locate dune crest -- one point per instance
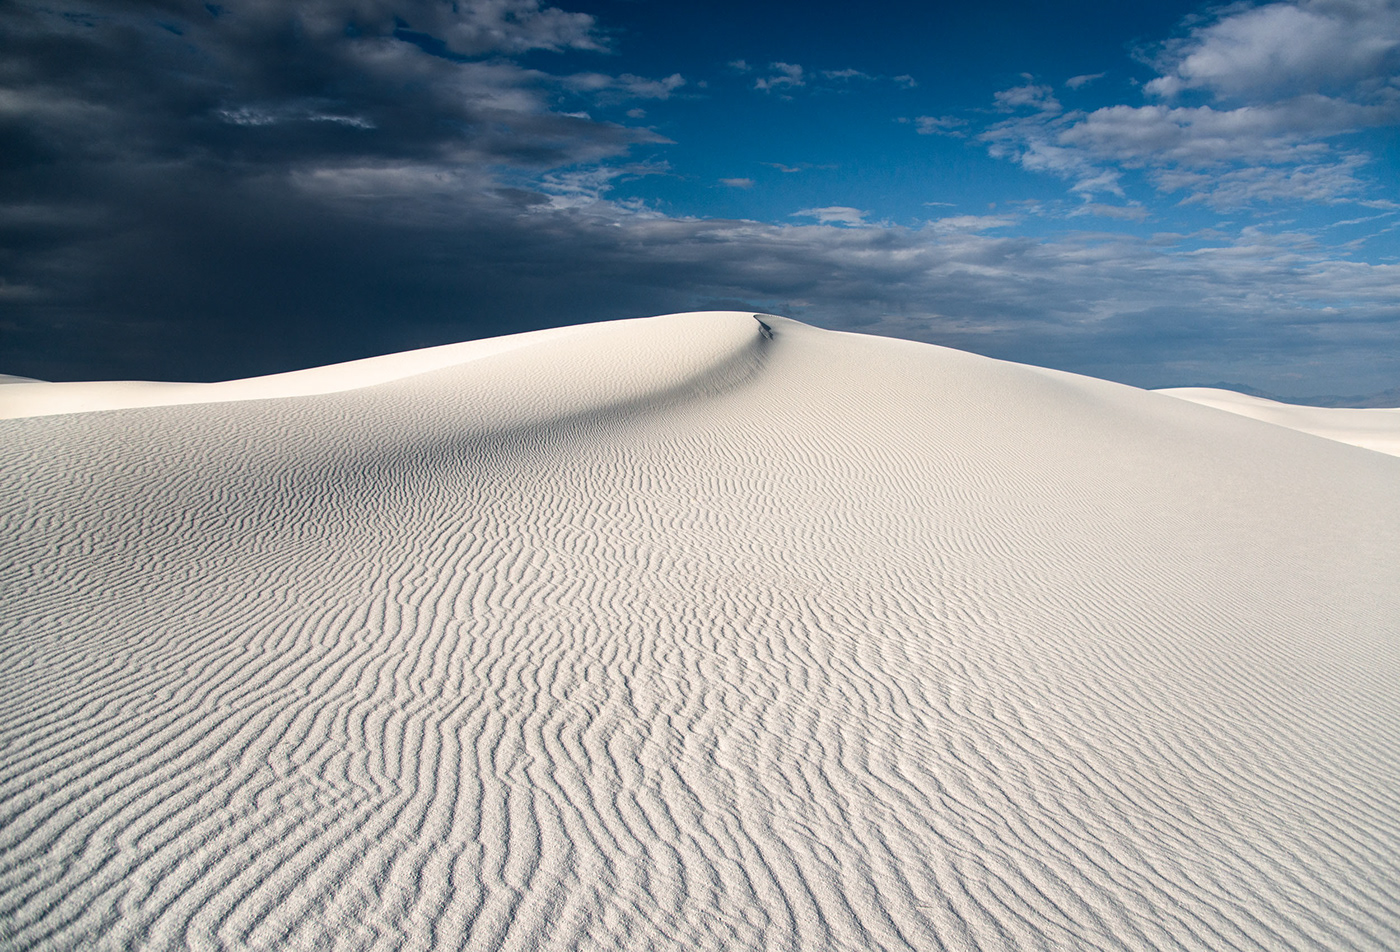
(671, 634)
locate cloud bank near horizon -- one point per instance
(200, 192)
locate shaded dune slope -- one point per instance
(659, 635)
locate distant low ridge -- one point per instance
(1383, 399)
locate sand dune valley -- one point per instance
(674, 634)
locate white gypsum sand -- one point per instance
(1375, 429)
(659, 634)
(26, 397)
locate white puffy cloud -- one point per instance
(1280, 50)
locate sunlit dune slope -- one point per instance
(1375, 429)
(661, 634)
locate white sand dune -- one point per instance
(27, 397)
(661, 635)
(1374, 429)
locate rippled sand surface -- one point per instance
(661, 634)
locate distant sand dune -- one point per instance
(1372, 428)
(660, 634)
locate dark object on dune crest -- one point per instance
(763, 328)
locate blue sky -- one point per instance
(883, 115)
(1159, 194)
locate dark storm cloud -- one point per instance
(152, 153)
(266, 82)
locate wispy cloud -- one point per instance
(1026, 96)
(465, 29)
(833, 215)
(940, 126)
(781, 76)
(256, 115)
(736, 182)
(626, 86)
(784, 77)
(970, 224)
(1130, 212)
(1079, 82)
(1244, 187)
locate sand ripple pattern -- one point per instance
(667, 636)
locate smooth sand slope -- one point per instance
(1375, 429)
(661, 635)
(26, 397)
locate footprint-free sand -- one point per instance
(663, 634)
(1375, 429)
